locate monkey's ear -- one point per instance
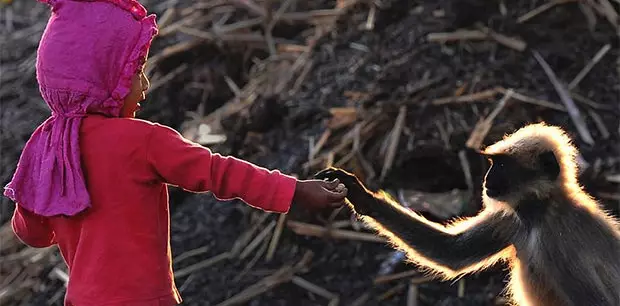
(549, 164)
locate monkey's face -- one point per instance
(508, 177)
(500, 179)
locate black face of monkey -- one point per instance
(508, 175)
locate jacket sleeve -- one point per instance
(33, 230)
(180, 162)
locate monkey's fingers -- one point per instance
(335, 173)
(328, 173)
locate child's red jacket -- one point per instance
(118, 252)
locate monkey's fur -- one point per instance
(561, 247)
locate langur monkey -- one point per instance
(562, 248)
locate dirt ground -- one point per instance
(391, 67)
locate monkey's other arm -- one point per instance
(456, 248)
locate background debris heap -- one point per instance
(400, 92)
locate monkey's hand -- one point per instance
(360, 198)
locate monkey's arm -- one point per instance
(464, 247)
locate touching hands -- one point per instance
(319, 194)
(359, 197)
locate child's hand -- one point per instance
(318, 194)
(359, 197)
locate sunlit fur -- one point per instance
(527, 144)
(529, 247)
(531, 140)
(427, 265)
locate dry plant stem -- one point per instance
(370, 22)
(202, 265)
(533, 101)
(395, 137)
(461, 288)
(257, 240)
(21, 255)
(168, 29)
(282, 275)
(232, 86)
(245, 238)
(313, 288)
(585, 101)
(466, 169)
(167, 78)
(443, 37)
(606, 9)
(56, 297)
(478, 96)
(8, 279)
(306, 229)
(273, 244)
(319, 144)
(414, 274)
(332, 217)
(613, 178)
(252, 262)
(391, 292)
(302, 76)
(481, 34)
(361, 300)
(582, 74)
(61, 275)
(334, 302)
(240, 25)
(170, 51)
(341, 224)
(412, 294)
(367, 130)
(396, 276)
(191, 253)
(600, 125)
(15, 289)
(251, 6)
(510, 42)
(483, 126)
(608, 196)
(541, 9)
(573, 111)
(165, 19)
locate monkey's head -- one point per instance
(534, 160)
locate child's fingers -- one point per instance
(335, 196)
(330, 185)
(336, 204)
(340, 188)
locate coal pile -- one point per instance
(399, 92)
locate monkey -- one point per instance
(560, 246)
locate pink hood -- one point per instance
(88, 54)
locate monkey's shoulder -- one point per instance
(570, 230)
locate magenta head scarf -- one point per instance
(88, 54)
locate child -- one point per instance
(93, 180)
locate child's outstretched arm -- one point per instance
(31, 229)
(192, 167)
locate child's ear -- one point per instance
(549, 164)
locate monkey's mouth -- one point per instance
(493, 192)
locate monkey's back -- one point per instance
(572, 257)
